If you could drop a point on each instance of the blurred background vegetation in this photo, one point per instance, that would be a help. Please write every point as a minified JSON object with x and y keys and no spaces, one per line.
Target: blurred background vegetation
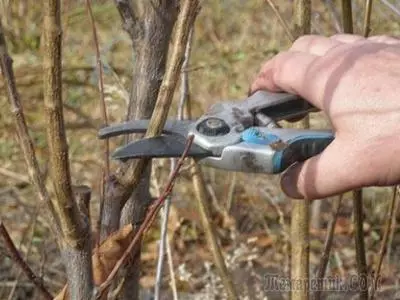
{"x":231,"y":41}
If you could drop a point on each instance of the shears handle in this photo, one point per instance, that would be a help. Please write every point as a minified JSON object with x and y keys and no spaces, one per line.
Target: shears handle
{"x":289,"y":145}
{"x":277,"y":106}
{"x":299,"y":150}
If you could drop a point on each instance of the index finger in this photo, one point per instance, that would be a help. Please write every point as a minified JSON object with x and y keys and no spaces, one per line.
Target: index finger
{"x":289,"y":71}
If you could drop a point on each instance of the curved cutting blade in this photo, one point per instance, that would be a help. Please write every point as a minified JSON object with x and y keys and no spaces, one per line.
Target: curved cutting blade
{"x":159,"y":147}
{"x":141,"y":126}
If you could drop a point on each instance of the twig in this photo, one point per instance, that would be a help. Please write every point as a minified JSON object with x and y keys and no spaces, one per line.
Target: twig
{"x":65,"y":206}
{"x":148,"y":219}
{"x":106,"y":168}
{"x":300,"y":213}
{"x":203,"y":204}
{"x":88,"y":120}
{"x":130,"y":175}
{"x":384,"y":242}
{"x":14,"y":175}
{"x":164,"y":223}
{"x":359,"y":239}
{"x":128,"y":198}
{"x":162,"y":246}
{"x":32,"y":227}
{"x":231,"y":193}
{"x":25,"y":140}
{"x":327,"y":246}
{"x":347,"y":16}
{"x":171,"y":270}
{"x":185,"y":93}
{"x":391,"y":7}
{"x":128,"y":16}
{"x":21,"y":263}
{"x":281,"y":20}
{"x":75,"y":240}
{"x":189,"y":11}
{"x":205,"y":216}
{"x":390,"y":243}
{"x":367,"y":17}
{"x":335,"y":15}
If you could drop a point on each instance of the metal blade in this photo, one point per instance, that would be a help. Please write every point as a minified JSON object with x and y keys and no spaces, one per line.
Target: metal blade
{"x":159,"y":147}
{"x":140,"y":126}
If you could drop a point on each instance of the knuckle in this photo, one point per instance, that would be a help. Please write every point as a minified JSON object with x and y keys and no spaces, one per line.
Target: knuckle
{"x":305,"y":40}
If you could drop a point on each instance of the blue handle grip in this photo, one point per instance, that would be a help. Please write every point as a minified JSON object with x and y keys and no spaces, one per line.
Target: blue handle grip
{"x":300,"y":149}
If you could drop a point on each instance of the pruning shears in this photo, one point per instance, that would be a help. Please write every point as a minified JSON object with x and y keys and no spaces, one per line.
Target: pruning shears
{"x":241,"y":136}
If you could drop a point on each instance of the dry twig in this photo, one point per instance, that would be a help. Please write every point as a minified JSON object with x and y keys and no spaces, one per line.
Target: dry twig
{"x":25,"y":140}
{"x":327,"y":246}
{"x":384,"y":242}
{"x":300,"y":215}
{"x":75,"y":239}
{"x":57,"y":143}
{"x":367,"y":17}
{"x":150,"y":216}
{"x":359,"y":239}
{"x":347,"y":16}
{"x":15,"y":255}
{"x":164,"y":223}
{"x":281,"y":20}
{"x":203,"y":205}
{"x":106,"y":154}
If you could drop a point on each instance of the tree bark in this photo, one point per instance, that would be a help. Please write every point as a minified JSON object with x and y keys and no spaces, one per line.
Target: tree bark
{"x":74,"y":241}
{"x":149,"y":25}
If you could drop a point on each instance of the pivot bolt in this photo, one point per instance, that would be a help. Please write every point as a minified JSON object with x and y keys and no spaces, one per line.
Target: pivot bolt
{"x":213,"y":127}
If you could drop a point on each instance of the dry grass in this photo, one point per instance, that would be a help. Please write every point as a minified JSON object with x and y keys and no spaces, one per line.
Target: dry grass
{"x":232,"y":39}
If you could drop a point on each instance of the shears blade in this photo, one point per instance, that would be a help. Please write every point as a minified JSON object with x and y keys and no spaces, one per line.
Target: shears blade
{"x":141,"y":126}
{"x":159,"y":147}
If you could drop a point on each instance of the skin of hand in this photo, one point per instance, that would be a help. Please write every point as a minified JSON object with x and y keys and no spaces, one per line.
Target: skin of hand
{"x":355,"y":81}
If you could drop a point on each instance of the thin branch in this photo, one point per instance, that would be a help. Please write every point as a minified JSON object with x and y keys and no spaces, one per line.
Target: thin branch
{"x":128,"y":16}
{"x":164,"y":223}
{"x":32,"y":226}
{"x":93,"y":123}
{"x":106,"y":153}
{"x":189,"y":11}
{"x":57,"y":143}
{"x":203,"y":206}
{"x":163,"y":244}
{"x":327,"y":246}
{"x":25,"y":140}
{"x":281,"y":20}
{"x":300,"y":213}
{"x":14,"y":175}
{"x":185,"y":94}
{"x":390,"y":243}
{"x":16,"y":256}
{"x":393,"y":8}
{"x":302,"y":26}
{"x":75,"y":241}
{"x":347,"y":16}
{"x":150,"y":216}
{"x":384,"y":242}
{"x":130,"y":175}
{"x":335,"y":15}
{"x":359,"y":239}
{"x":367,"y":17}
{"x":171,"y":270}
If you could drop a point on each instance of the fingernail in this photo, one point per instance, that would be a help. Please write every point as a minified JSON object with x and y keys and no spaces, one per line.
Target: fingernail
{"x":289,"y":186}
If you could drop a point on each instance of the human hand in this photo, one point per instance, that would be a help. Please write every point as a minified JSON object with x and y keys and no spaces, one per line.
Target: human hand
{"x":356,"y":82}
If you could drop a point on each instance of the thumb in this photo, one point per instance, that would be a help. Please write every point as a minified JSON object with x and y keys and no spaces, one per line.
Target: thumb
{"x":336,"y":170}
